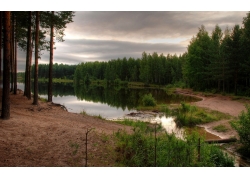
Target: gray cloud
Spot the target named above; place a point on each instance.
(147, 25)
(103, 50)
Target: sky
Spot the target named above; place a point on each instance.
(102, 35)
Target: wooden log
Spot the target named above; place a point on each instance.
(221, 140)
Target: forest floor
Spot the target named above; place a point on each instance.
(46, 135)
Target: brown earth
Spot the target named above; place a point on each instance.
(48, 135)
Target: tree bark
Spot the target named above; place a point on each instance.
(27, 91)
(6, 66)
(1, 47)
(15, 61)
(35, 99)
(51, 58)
(11, 56)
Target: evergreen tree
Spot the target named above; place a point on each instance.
(35, 100)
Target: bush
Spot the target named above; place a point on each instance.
(138, 149)
(242, 126)
(188, 115)
(148, 100)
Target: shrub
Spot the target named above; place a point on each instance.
(242, 126)
(188, 115)
(148, 100)
(143, 149)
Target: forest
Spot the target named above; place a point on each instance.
(30, 32)
(217, 62)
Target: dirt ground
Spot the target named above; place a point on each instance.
(224, 104)
(48, 135)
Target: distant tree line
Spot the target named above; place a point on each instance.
(63, 71)
(155, 69)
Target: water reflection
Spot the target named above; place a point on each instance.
(108, 102)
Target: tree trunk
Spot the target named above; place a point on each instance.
(29, 70)
(6, 66)
(15, 63)
(1, 47)
(235, 83)
(11, 56)
(35, 100)
(51, 59)
(27, 91)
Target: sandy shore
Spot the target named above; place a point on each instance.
(224, 104)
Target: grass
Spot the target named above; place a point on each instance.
(42, 99)
(99, 117)
(138, 149)
(188, 115)
(220, 128)
(83, 112)
(145, 126)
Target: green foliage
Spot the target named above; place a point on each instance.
(60, 71)
(242, 126)
(148, 100)
(188, 115)
(138, 150)
(150, 69)
(220, 128)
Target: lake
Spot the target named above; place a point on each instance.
(112, 103)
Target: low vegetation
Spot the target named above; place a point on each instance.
(148, 100)
(220, 128)
(188, 115)
(242, 126)
(144, 148)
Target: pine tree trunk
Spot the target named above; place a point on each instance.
(51, 59)
(27, 92)
(29, 70)
(1, 48)
(35, 100)
(15, 63)
(6, 66)
(11, 56)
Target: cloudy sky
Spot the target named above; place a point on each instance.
(106, 35)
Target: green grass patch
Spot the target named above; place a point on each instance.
(220, 128)
(188, 115)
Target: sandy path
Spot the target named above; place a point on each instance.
(219, 103)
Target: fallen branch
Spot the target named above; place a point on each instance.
(221, 140)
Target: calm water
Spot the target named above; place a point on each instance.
(110, 103)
